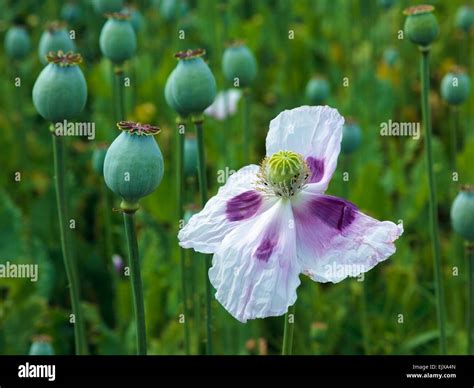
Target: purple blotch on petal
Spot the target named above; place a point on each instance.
(316, 167)
(334, 212)
(265, 249)
(243, 206)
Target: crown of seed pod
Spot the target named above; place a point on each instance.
(317, 90)
(191, 87)
(190, 156)
(71, 12)
(118, 41)
(41, 346)
(17, 42)
(455, 86)
(351, 137)
(462, 213)
(60, 91)
(238, 63)
(54, 38)
(465, 18)
(107, 6)
(98, 157)
(421, 25)
(133, 165)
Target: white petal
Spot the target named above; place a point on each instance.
(314, 132)
(224, 105)
(206, 229)
(255, 271)
(335, 240)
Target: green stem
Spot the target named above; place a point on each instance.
(247, 130)
(137, 288)
(107, 225)
(454, 131)
(119, 94)
(433, 204)
(287, 347)
(470, 297)
(69, 263)
(207, 258)
(180, 188)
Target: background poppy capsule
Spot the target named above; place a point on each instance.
(170, 100)
(17, 42)
(421, 25)
(455, 86)
(118, 41)
(60, 91)
(351, 137)
(465, 18)
(41, 346)
(193, 86)
(54, 38)
(317, 90)
(190, 156)
(239, 63)
(107, 6)
(133, 165)
(462, 213)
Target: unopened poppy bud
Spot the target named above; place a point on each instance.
(17, 42)
(462, 213)
(455, 86)
(317, 90)
(54, 38)
(60, 91)
(421, 25)
(118, 41)
(239, 64)
(351, 137)
(133, 166)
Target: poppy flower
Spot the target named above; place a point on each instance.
(224, 105)
(270, 223)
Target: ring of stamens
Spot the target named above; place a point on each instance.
(283, 174)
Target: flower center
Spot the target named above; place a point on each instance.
(283, 174)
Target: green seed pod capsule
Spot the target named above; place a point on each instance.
(107, 6)
(421, 25)
(17, 43)
(118, 41)
(171, 10)
(455, 86)
(465, 18)
(98, 157)
(133, 166)
(190, 156)
(41, 346)
(170, 99)
(239, 65)
(136, 19)
(390, 56)
(317, 90)
(54, 38)
(462, 213)
(71, 12)
(386, 4)
(60, 91)
(193, 86)
(351, 137)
